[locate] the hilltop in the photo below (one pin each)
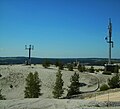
(15, 75)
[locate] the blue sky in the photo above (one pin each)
(59, 28)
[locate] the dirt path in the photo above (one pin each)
(113, 96)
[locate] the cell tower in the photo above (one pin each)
(31, 47)
(109, 40)
(111, 68)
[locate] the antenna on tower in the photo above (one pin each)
(109, 40)
(111, 68)
(29, 48)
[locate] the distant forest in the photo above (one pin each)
(85, 61)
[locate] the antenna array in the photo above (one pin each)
(29, 48)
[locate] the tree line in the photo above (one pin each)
(69, 66)
(33, 85)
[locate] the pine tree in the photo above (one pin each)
(74, 86)
(37, 85)
(58, 88)
(29, 86)
(32, 89)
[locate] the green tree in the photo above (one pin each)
(114, 82)
(61, 66)
(74, 86)
(58, 88)
(46, 64)
(57, 63)
(70, 67)
(81, 68)
(75, 64)
(91, 70)
(116, 69)
(1, 96)
(37, 85)
(29, 86)
(33, 84)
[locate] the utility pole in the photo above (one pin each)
(109, 40)
(31, 47)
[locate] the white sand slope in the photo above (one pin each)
(15, 75)
(53, 104)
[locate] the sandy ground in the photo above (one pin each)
(115, 96)
(54, 104)
(15, 75)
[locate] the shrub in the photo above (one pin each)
(70, 67)
(81, 68)
(116, 69)
(114, 82)
(91, 70)
(106, 73)
(58, 90)
(46, 64)
(74, 86)
(33, 84)
(61, 66)
(97, 70)
(104, 87)
(57, 63)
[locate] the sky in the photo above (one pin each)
(59, 28)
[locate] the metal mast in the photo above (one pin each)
(31, 47)
(109, 40)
